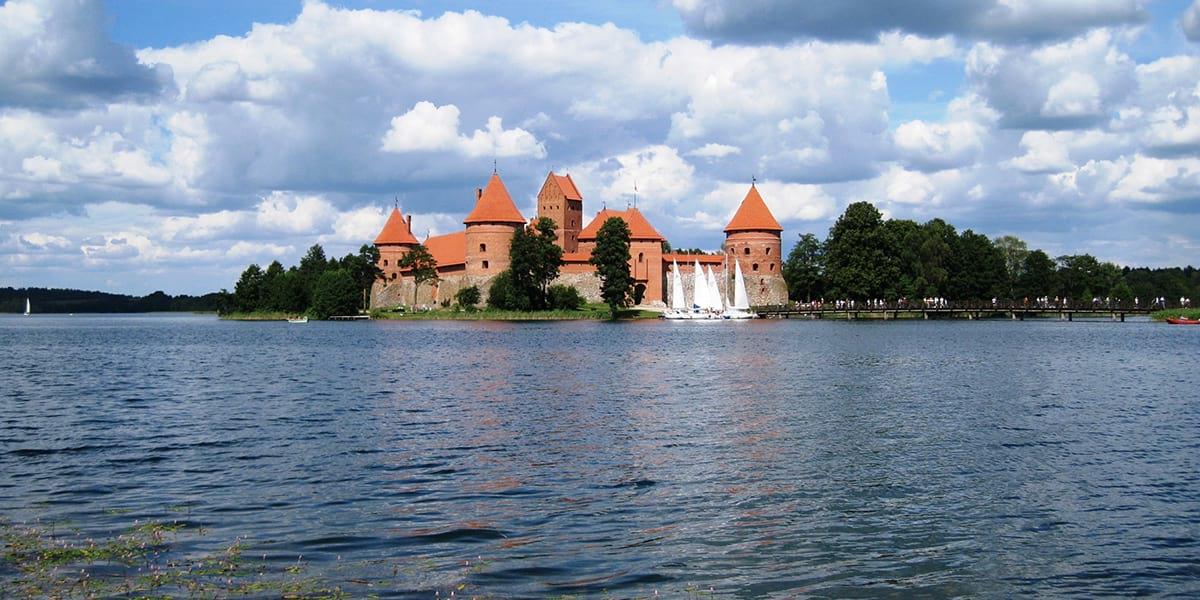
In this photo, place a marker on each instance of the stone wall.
(400, 292)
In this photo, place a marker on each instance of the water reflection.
(534, 459)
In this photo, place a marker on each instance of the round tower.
(394, 241)
(490, 228)
(754, 239)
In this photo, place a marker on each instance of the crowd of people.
(935, 303)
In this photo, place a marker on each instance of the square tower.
(561, 201)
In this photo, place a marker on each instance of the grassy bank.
(1173, 313)
(258, 316)
(590, 311)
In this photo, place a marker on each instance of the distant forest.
(50, 300)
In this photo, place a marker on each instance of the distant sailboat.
(740, 309)
(712, 294)
(679, 308)
(27, 307)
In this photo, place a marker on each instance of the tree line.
(865, 257)
(318, 286)
(55, 300)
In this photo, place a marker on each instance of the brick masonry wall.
(495, 238)
(400, 292)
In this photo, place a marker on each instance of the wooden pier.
(890, 312)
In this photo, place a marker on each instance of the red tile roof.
(685, 260)
(753, 215)
(449, 249)
(576, 257)
(639, 227)
(567, 185)
(395, 231)
(495, 205)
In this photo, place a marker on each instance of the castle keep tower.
(394, 241)
(560, 200)
(490, 228)
(753, 239)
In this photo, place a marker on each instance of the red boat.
(1183, 321)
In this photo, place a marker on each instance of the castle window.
(483, 247)
(385, 262)
(747, 250)
(772, 266)
(754, 267)
(768, 251)
(485, 264)
(641, 257)
(393, 276)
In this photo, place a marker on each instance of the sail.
(677, 302)
(27, 306)
(741, 300)
(698, 287)
(715, 302)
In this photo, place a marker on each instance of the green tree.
(611, 259)
(859, 254)
(1038, 276)
(420, 265)
(287, 292)
(311, 267)
(534, 260)
(248, 292)
(935, 258)
(270, 282)
(804, 269)
(564, 297)
(504, 295)
(906, 237)
(467, 297)
(981, 272)
(1081, 276)
(1014, 251)
(335, 293)
(364, 268)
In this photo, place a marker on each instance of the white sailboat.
(740, 308)
(698, 290)
(27, 307)
(716, 303)
(679, 308)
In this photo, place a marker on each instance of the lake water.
(757, 459)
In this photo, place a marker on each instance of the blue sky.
(166, 144)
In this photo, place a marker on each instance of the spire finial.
(396, 202)
(494, 170)
(753, 180)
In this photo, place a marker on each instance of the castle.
(479, 252)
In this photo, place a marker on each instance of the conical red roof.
(753, 215)
(395, 231)
(495, 205)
